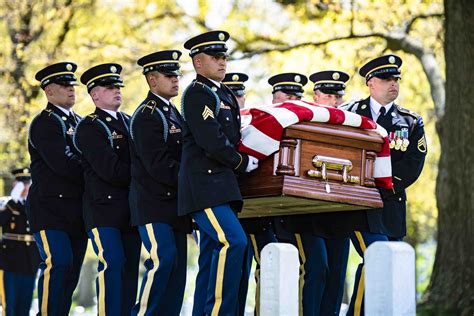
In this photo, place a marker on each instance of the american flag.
(262, 129)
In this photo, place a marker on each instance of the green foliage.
(267, 37)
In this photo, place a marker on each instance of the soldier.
(102, 138)
(408, 151)
(329, 89)
(19, 258)
(207, 186)
(156, 130)
(298, 230)
(54, 203)
(235, 82)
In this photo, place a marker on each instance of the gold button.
(109, 197)
(60, 195)
(177, 141)
(209, 171)
(227, 118)
(238, 116)
(118, 147)
(27, 229)
(168, 194)
(27, 243)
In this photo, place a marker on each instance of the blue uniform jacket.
(211, 133)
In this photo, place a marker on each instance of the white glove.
(252, 165)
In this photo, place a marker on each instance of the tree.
(452, 284)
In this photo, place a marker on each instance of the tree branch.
(412, 21)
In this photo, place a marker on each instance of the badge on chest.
(174, 129)
(116, 136)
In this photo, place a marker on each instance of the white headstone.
(279, 274)
(390, 279)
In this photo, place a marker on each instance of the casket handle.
(330, 163)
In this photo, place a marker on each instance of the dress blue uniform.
(103, 140)
(408, 151)
(54, 203)
(207, 186)
(156, 130)
(19, 257)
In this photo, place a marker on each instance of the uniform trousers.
(117, 279)
(164, 281)
(16, 292)
(222, 248)
(62, 255)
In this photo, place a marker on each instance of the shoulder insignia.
(422, 144)
(206, 113)
(92, 117)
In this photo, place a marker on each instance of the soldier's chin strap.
(17, 191)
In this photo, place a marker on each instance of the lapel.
(221, 92)
(70, 122)
(114, 124)
(364, 108)
(169, 110)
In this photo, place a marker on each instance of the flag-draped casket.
(312, 159)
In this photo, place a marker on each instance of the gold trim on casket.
(318, 168)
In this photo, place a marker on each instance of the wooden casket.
(318, 168)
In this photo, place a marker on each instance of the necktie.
(381, 114)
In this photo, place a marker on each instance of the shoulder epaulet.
(150, 107)
(204, 86)
(351, 106)
(93, 118)
(408, 112)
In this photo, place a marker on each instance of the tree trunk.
(451, 291)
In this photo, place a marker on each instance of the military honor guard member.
(156, 132)
(54, 203)
(299, 230)
(207, 186)
(329, 90)
(235, 82)
(102, 138)
(408, 151)
(19, 257)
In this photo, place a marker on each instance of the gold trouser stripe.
(299, 243)
(46, 274)
(151, 273)
(2, 291)
(360, 286)
(221, 262)
(101, 274)
(257, 274)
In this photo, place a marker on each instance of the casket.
(319, 168)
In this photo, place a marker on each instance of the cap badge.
(335, 75)
(391, 60)
(235, 77)
(175, 55)
(221, 36)
(113, 69)
(297, 78)
(69, 67)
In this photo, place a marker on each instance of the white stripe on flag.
(284, 116)
(245, 120)
(382, 167)
(320, 113)
(258, 141)
(352, 119)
